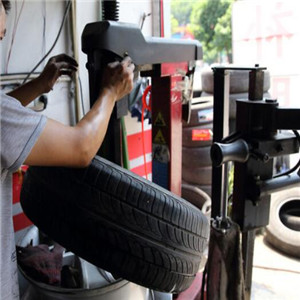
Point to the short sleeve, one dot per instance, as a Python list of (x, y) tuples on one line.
[(20, 129)]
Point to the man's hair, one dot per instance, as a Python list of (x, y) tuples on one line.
[(6, 5)]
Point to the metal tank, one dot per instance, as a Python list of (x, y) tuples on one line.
[(97, 284)]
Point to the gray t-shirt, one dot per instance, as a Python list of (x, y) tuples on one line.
[(20, 129)]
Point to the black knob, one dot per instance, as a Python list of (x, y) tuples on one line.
[(236, 151)]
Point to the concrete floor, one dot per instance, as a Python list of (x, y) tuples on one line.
[(275, 275)]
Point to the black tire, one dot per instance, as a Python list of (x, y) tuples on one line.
[(283, 231), (201, 113), (197, 197), (191, 136), (119, 222), (205, 188), (196, 157), (239, 81), (232, 101), (198, 176)]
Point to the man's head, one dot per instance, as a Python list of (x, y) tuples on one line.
[(4, 9)]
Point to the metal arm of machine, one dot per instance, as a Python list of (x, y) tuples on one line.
[(107, 41), (263, 143), (240, 151), (278, 184), (124, 38)]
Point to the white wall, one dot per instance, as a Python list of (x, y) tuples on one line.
[(39, 22), (29, 44), (36, 24), (132, 11), (268, 32)]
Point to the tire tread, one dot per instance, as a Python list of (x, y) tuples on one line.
[(132, 227)]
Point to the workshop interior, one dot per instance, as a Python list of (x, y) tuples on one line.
[(199, 162)]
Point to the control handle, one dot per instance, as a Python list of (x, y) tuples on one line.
[(237, 151)]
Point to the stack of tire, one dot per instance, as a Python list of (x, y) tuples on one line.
[(196, 164), (239, 86), (198, 135)]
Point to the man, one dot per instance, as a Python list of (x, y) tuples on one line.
[(30, 138)]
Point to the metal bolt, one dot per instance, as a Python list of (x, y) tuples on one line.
[(256, 177), (266, 158)]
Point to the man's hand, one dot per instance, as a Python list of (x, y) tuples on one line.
[(118, 77), (57, 65)]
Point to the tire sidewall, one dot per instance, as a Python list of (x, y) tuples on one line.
[(278, 234), (187, 136), (198, 176), (196, 157), (239, 81)]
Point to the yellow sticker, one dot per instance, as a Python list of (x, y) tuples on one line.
[(159, 121), (159, 138)]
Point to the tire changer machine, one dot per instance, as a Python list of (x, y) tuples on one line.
[(262, 133), (170, 63)]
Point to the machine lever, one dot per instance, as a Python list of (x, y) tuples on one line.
[(237, 151)]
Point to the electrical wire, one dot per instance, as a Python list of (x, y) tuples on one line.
[(144, 107), (162, 25), (16, 23), (125, 155), (298, 163), (81, 95), (54, 44), (44, 27)]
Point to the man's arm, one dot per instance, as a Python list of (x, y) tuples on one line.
[(58, 65), (61, 145)]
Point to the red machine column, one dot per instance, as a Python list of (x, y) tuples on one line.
[(167, 126)]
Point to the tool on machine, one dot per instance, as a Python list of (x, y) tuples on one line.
[(257, 141)]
